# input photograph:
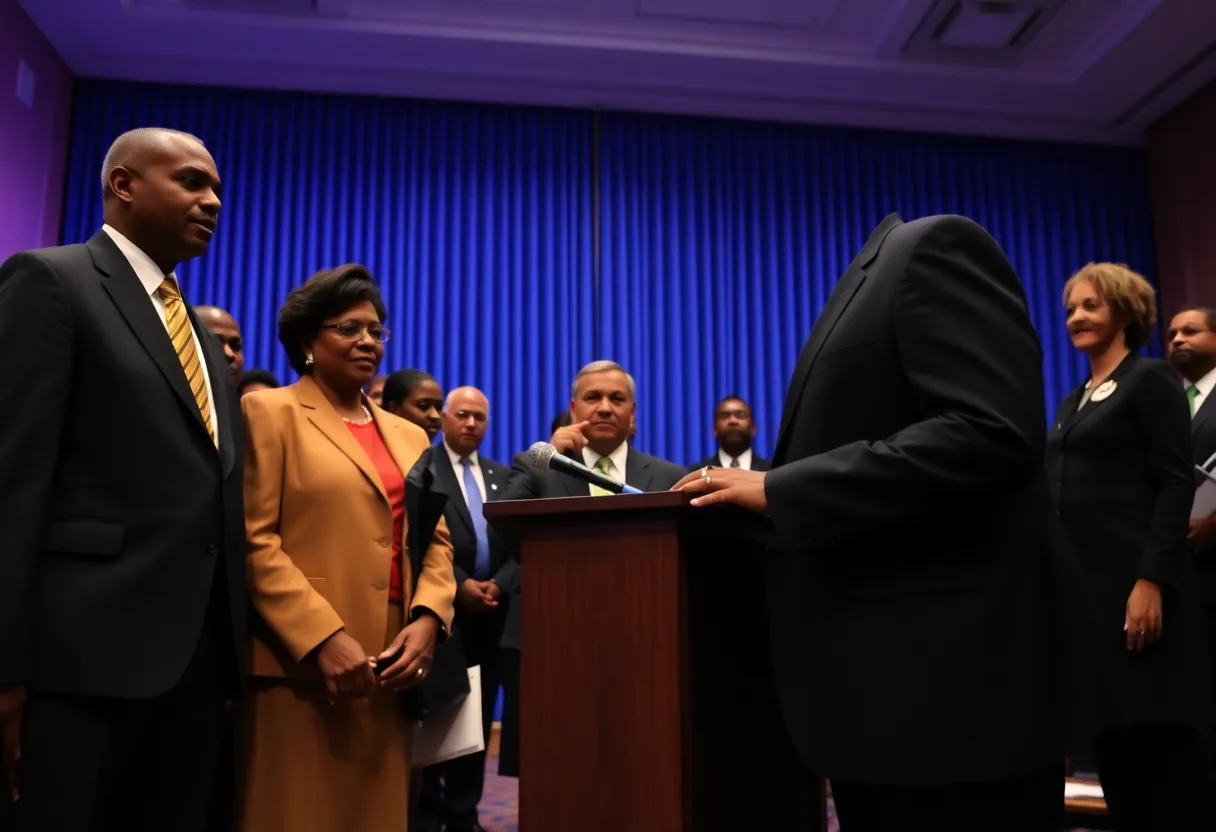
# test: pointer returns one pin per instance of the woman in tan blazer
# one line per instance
(349, 564)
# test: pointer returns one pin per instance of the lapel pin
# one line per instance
(493, 486)
(1104, 391)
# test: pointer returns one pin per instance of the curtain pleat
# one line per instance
(719, 241)
(723, 241)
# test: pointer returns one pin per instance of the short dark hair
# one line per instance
(256, 377)
(561, 420)
(399, 385)
(733, 397)
(327, 293)
(1208, 312)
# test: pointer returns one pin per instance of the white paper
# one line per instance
(1205, 496)
(1074, 789)
(451, 733)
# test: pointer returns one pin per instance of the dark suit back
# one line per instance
(1203, 444)
(123, 510)
(642, 471)
(759, 463)
(1120, 470)
(911, 597)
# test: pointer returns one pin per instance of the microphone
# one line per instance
(544, 457)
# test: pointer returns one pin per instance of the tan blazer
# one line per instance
(319, 528)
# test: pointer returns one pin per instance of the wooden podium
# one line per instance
(646, 698)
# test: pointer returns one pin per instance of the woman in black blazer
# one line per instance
(1120, 463)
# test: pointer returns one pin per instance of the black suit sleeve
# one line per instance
(521, 485)
(36, 335)
(972, 361)
(1164, 423)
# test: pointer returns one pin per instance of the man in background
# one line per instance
(122, 533)
(224, 327)
(734, 429)
(1191, 348)
(452, 790)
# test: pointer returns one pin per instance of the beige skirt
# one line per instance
(307, 766)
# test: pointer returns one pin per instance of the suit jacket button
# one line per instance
(213, 549)
(379, 585)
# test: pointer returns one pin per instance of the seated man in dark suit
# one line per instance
(602, 407)
(451, 791)
(734, 428)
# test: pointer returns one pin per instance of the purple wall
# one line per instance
(33, 141)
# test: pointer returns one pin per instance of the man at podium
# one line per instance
(914, 591)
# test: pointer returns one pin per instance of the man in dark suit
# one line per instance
(917, 556)
(734, 428)
(603, 404)
(452, 790)
(1192, 351)
(122, 540)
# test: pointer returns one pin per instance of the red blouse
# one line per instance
(394, 485)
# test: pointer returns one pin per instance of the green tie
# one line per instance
(1192, 393)
(601, 465)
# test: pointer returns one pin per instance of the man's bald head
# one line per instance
(134, 146)
(225, 327)
(161, 190)
(465, 417)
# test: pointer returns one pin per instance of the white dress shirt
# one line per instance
(745, 459)
(458, 467)
(151, 277)
(617, 459)
(1204, 386)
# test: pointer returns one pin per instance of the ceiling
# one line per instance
(1072, 70)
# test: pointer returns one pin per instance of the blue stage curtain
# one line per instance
(723, 240)
(476, 221)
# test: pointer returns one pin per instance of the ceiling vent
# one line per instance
(984, 31)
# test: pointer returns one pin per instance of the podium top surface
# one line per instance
(587, 505)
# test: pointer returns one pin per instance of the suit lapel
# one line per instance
(637, 470)
(1205, 416)
(221, 392)
(446, 475)
(495, 477)
(1076, 417)
(323, 416)
(136, 307)
(567, 485)
(841, 297)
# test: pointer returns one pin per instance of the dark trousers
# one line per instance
(451, 791)
(97, 764)
(93, 764)
(1030, 803)
(508, 739)
(1154, 777)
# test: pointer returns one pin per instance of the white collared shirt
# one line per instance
(150, 276)
(745, 459)
(458, 467)
(618, 459)
(1204, 386)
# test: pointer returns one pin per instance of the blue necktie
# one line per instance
(481, 567)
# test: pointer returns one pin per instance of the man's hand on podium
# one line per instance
(726, 485)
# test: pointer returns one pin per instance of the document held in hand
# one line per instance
(1205, 494)
(452, 732)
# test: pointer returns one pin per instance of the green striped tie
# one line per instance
(602, 464)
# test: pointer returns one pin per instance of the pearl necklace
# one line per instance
(366, 421)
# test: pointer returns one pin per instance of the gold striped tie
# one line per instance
(182, 336)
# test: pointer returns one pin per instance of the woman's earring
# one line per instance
(308, 360)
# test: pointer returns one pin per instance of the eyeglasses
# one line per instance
(353, 330)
